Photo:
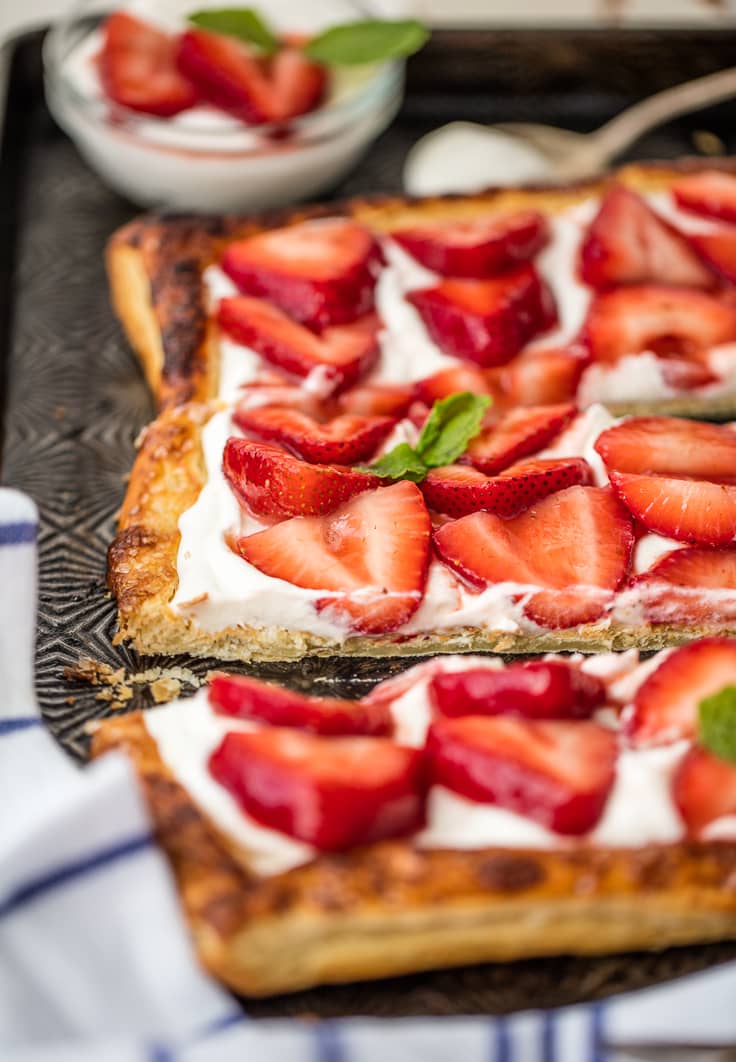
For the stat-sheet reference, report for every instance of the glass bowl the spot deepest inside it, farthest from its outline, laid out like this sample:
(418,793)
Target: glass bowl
(202,159)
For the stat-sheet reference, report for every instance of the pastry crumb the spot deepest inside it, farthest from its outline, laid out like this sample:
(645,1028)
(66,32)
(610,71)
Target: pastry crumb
(164,684)
(165,689)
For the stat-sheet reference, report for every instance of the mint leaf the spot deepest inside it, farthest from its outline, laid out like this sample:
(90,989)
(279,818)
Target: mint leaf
(400,463)
(717,718)
(453,422)
(369,41)
(241,22)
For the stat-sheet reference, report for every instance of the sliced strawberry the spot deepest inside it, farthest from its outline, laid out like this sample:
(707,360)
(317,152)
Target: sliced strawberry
(691,585)
(272,483)
(519,433)
(718,249)
(688,510)
(370,556)
(479,247)
(299,83)
(345,440)
(332,793)
(576,542)
(704,789)
(261,395)
(686,374)
(247,698)
(668,321)
(320,272)
(557,773)
(452,381)
(486,321)
(373,400)
(137,67)
(628,243)
(457,490)
(541,689)
(343,353)
(670,446)
(544,377)
(665,708)
(712,193)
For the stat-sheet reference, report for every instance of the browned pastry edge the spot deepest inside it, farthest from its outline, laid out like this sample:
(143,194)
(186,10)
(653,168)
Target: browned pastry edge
(155,265)
(391,908)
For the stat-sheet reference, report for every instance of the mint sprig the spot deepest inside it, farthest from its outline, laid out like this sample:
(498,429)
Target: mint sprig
(350,44)
(453,422)
(717,723)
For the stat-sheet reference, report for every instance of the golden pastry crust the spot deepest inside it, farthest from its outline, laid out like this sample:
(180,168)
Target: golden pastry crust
(155,266)
(391,908)
(167,477)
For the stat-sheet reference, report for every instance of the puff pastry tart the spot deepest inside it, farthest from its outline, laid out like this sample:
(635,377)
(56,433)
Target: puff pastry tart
(465,811)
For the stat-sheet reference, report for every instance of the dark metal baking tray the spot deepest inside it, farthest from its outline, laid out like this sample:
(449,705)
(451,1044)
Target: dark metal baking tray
(72,399)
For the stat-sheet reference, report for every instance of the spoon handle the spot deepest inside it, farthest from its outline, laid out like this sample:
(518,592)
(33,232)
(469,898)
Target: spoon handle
(615,136)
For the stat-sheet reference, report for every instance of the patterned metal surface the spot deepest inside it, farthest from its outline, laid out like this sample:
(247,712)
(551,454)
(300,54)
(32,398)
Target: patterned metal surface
(74,401)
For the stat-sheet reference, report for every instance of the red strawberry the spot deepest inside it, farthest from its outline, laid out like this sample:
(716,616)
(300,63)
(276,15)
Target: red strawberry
(544,377)
(320,272)
(688,510)
(576,542)
(457,490)
(691,585)
(704,789)
(232,76)
(370,556)
(628,243)
(666,704)
(557,773)
(670,446)
(372,400)
(247,698)
(719,250)
(686,374)
(272,483)
(712,193)
(344,353)
(519,433)
(541,689)
(486,321)
(668,321)
(137,66)
(452,381)
(343,441)
(478,247)
(332,793)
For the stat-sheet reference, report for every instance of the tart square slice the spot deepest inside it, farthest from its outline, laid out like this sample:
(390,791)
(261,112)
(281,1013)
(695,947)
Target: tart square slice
(465,811)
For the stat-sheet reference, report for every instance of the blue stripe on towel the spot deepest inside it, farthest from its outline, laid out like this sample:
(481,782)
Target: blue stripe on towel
(501,1041)
(597,1037)
(21,722)
(549,1037)
(328,1042)
(18,534)
(32,890)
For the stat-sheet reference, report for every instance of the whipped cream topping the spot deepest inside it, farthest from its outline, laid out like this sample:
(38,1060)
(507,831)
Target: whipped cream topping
(640,809)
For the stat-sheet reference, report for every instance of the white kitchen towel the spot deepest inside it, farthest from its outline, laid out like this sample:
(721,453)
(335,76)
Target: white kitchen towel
(96,965)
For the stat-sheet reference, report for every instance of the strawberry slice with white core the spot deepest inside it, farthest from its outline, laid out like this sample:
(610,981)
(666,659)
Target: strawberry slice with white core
(235,78)
(137,66)
(270,482)
(320,273)
(343,353)
(544,377)
(558,773)
(691,585)
(330,792)
(704,789)
(670,446)
(370,556)
(486,321)
(576,542)
(457,490)
(689,510)
(452,381)
(542,689)
(377,400)
(667,321)
(262,395)
(517,434)
(712,194)
(345,440)
(628,243)
(686,374)
(718,249)
(264,702)
(665,708)
(481,247)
